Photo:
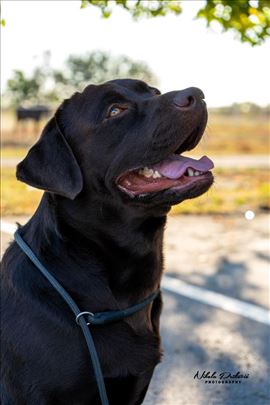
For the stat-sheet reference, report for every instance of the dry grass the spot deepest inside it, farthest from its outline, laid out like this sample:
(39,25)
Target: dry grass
(242,134)
(233,191)
(21,134)
(17,198)
(14,152)
(235,135)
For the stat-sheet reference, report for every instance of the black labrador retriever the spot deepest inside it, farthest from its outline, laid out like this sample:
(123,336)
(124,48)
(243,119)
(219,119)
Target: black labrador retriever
(111,166)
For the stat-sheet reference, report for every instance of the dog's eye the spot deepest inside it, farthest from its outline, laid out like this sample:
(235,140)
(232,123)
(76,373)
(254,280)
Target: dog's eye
(115,110)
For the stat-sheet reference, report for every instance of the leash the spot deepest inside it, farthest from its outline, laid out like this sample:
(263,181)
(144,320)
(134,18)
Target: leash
(85,318)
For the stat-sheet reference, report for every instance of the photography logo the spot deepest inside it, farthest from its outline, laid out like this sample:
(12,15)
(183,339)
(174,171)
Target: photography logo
(224,377)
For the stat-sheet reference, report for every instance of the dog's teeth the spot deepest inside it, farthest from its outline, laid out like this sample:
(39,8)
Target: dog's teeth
(190,172)
(148,172)
(196,173)
(156,174)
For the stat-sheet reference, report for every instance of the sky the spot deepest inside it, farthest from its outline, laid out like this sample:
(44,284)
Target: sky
(180,50)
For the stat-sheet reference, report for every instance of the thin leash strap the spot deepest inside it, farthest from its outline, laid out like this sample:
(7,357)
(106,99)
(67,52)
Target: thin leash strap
(80,320)
(102,318)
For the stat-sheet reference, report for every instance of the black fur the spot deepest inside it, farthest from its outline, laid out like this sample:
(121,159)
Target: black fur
(103,246)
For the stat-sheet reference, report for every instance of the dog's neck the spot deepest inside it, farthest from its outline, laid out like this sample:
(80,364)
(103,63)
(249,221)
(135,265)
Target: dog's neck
(127,241)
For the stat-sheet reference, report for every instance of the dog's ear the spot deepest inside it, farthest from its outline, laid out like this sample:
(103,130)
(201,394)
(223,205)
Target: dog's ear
(51,165)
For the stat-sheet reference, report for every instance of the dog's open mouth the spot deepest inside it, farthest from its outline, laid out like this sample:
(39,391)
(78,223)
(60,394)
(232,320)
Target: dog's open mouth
(176,171)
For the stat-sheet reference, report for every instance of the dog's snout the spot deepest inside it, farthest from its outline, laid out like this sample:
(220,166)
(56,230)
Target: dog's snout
(188,98)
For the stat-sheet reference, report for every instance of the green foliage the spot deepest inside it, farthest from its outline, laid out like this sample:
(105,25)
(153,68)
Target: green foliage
(249,19)
(137,8)
(50,86)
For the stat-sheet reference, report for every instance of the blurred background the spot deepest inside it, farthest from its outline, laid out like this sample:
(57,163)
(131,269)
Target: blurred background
(217,243)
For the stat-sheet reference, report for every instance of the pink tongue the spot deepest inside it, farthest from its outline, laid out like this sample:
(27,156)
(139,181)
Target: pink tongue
(175,165)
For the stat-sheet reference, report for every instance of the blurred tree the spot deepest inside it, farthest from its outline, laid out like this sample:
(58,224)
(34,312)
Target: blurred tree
(249,19)
(98,67)
(247,108)
(50,86)
(21,88)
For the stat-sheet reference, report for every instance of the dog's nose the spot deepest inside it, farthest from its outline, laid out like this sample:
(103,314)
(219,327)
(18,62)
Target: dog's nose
(188,98)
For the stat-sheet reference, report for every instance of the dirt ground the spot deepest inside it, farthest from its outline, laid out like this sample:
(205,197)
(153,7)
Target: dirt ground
(229,255)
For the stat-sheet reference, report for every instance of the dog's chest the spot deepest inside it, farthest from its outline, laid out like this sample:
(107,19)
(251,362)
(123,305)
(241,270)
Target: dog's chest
(121,352)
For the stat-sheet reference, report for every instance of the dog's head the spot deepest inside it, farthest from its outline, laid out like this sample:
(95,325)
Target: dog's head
(122,139)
